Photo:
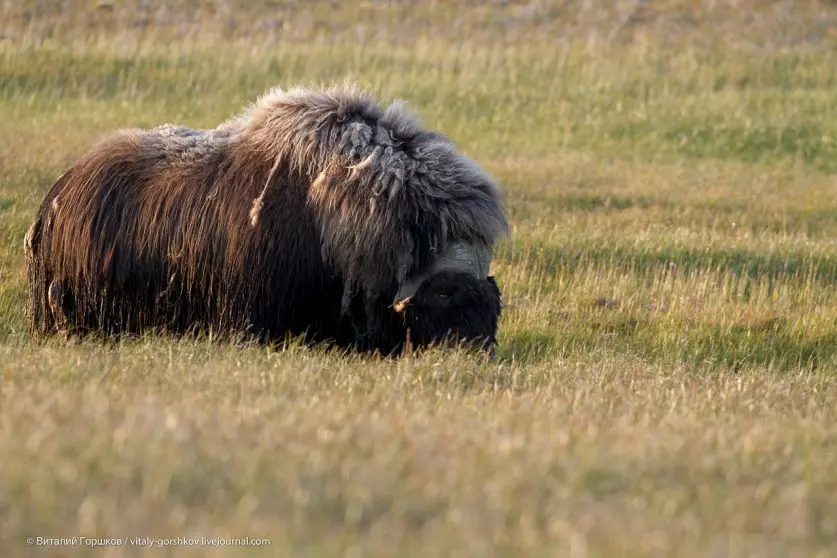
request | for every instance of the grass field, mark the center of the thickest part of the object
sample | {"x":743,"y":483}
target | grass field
{"x":667,"y":370}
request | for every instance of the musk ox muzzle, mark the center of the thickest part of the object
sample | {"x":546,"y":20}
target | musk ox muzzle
{"x":314,"y":212}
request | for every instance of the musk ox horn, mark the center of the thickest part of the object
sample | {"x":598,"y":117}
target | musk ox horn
{"x":459,"y":256}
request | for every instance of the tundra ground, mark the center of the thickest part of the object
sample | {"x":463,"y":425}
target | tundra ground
{"x":665,"y":382}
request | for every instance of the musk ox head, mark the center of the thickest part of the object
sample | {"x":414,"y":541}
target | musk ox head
{"x":453,"y":301}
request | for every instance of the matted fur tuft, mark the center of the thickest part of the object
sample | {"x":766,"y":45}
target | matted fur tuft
{"x":285,"y":217}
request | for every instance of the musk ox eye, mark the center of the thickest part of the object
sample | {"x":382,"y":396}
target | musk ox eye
{"x":446,"y":294}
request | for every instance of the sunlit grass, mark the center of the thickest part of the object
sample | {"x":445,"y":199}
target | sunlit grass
{"x":665,"y":371}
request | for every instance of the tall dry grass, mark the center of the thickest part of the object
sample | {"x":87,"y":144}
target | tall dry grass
{"x":666,"y":368}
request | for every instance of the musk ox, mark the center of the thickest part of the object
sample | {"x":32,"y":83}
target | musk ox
{"x":314,"y":213}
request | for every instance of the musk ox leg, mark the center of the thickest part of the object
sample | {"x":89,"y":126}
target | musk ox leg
{"x":57,"y":297}
{"x":31,"y":245}
{"x":374,"y":327}
{"x":37,"y":308}
{"x":31,"y":242}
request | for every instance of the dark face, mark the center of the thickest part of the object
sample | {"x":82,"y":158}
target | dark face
{"x":454,"y":308}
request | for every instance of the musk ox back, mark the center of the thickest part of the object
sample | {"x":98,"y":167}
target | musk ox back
{"x":313,"y":212}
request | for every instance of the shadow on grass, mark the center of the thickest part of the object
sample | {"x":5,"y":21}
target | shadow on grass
{"x":740,"y":345}
{"x":716,"y":138}
{"x":645,"y":261}
{"x":771,"y":343}
{"x":806,"y":142}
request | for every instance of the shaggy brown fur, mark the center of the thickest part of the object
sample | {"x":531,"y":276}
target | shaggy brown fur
{"x":304,"y":213}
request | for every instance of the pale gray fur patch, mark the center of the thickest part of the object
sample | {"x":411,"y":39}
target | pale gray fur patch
{"x":181,"y":145}
{"x":399,"y":118}
{"x":168,"y":129}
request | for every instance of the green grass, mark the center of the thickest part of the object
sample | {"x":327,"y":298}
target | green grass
{"x":668,"y":353}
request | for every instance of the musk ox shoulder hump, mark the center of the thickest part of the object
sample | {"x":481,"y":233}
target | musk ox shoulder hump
{"x":342,"y":138}
{"x":389,"y":195}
